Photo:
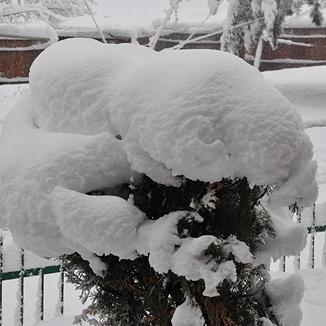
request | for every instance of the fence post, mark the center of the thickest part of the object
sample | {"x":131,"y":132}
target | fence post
{"x":1,"y":270}
{"x":297,"y":261}
{"x":324,"y":250}
{"x":62,"y":280}
{"x":282,"y":266}
{"x":312,"y":238}
{"x":60,"y":304}
{"x":19,"y":318}
{"x":40,"y":296}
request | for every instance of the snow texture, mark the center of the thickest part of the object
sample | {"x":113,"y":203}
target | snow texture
{"x":286,"y":296}
{"x":116,"y":18}
{"x":185,"y":256}
{"x":259,"y":136}
{"x":290,"y":238}
{"x":92,"y":121}
{"x":188,"y":314}
{"x":108,"y":224}
{"x":39,"y":29}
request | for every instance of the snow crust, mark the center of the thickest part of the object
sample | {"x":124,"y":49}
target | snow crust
{"x":39,"y":29}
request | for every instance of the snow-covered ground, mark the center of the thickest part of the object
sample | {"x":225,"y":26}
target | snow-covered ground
{"x":313,"y":304}
{"x":305,"y":87}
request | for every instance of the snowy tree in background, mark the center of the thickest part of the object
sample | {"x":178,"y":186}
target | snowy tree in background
{"x":316,"y":14}
{"x":163,"y":180}
{"x":260,"y":18}
{"x":52,"y":11}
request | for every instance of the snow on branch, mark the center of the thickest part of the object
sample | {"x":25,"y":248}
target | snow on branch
{"x":52,"y":11}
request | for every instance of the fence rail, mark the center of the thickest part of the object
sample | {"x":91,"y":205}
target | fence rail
{"x":40,"y":272}
{"x":23,"y":273}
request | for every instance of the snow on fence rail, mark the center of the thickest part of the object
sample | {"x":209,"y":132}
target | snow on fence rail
{"x":21,"y":274}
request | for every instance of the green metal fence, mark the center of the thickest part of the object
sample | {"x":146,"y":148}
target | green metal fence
{"x":40,"y":272}
{"x":21,"y":275}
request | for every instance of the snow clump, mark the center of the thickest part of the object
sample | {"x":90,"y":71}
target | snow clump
{"x":95,"y":120}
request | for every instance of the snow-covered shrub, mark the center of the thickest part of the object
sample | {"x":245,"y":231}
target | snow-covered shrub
{"x":162,"y":179}
{"x":250,"y":20}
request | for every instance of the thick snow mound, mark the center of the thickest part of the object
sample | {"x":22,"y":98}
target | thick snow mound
{"x":108,"y":224}
{"x":286,"y":296}
{"x":198,"y":113}
{"x":97,"y":114}
{"x":33,"y":162}
{"x":188,"y":314}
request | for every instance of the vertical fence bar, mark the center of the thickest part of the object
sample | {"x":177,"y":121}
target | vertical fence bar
{"x":19,"y":318}
{"x":297,"y":261}
{"x":62,"y":280}
{"x":282,"y":265}
{"x":21,"y":286}
{"x":60,"y":304}
{"x":312,"y":238}
{"x":1,"y":270}
{"x":40,"y":297}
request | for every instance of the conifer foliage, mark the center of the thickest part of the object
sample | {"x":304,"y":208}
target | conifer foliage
{"x":133,"y":293}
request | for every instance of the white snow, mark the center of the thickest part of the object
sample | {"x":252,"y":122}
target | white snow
{"x":39,"y":29}
{"x":108,"y":224}
{"x":290,"y":238}
{"x":305,"y":88}
{"x":38,"y":175}
{"x":167,"y":251}
{"x":188,"y":314}
{"x":93,"y":121}
{"x":62,"y":321}
{"x":303,"y":19}
{"x":11,"y":256}
{"x":313,"y":303}
{"x":264,"y":147}
{"x":286,"y":296}
{"x":116,"y":17}
{"x":314,"y":300}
